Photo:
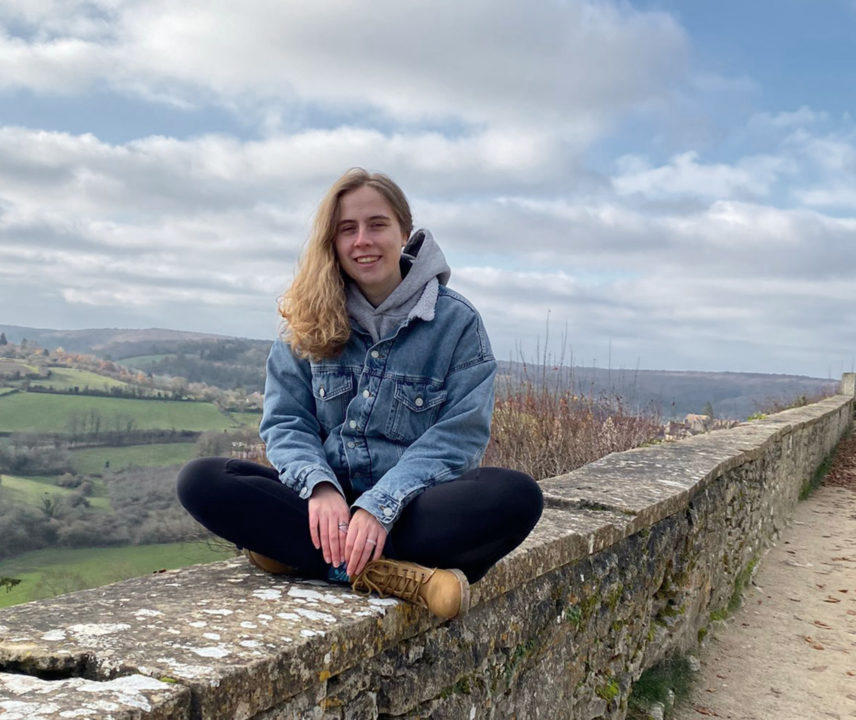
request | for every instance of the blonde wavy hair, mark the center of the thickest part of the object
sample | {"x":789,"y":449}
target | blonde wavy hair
{"x":313,"y":307}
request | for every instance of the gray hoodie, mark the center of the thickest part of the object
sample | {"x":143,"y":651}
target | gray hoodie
{"x":423,"y":268}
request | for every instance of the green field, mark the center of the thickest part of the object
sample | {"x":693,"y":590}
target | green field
{"x":68,"y":378}
{"x":52,"y":413}
{"x":92,"y":460}
{"x":6,"y":390}
{"x":247,"y":419}
{"x":53,"y":571}
{"x":30,"y":490}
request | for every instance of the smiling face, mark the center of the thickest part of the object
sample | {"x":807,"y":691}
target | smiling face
{"x":368,"y":242}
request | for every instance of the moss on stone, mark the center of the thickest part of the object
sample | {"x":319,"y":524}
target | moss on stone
{"x":812,"y":483}
{"x":669,"y":611}
{"x":518,"y":656}
{"x":589,"y":605}
{"x":460,"y":687}
{"x":740,"y":583}
{"x":574,"y":615}
{"x":654,"y":685}
{"x":615,"y":596}
{"x":608,"y":690}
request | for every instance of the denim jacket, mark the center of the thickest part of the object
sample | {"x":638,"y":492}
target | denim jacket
{"x":390,"y":418}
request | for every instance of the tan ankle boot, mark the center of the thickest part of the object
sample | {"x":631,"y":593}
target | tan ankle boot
{"x":268,"y":564}
{"x":446,"y":593}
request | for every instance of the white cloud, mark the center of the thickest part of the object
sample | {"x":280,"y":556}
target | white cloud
{"x":189,"y":171}
{"x":567,"y":66}
{"x":227,"y":217}
{"x":50,"y":17}
{"x":63,"y":66}
{"x":800,"y":118}
{"x":830,"y":167}
{"x":669,"y":320}
{"x":829,"y":196}
{"x":752,"y":176}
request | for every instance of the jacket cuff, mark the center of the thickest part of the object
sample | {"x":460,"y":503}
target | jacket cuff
{"x":385,"y":509}
{"x":309,"y":477}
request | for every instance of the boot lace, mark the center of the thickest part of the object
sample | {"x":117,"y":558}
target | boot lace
{"x":389,"y":579}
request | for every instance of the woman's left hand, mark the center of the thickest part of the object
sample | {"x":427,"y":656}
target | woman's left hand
{"x":365,"y":541}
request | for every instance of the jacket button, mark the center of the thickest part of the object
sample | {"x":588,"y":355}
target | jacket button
{"x":351,"y":444}
{"x":419,"y":402}
{"x":387,"y":512}
{"x":321,"y":392}
{"x":353,"y":424}
{"x":366,"y":394}
{"x":375,"y":354}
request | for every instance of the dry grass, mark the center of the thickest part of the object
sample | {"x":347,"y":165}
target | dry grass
{"x":774,"y":405}
{"x":545,"y":426}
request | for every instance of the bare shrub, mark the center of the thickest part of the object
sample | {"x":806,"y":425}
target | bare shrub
{"x":545,"y":426}
{"x":144,"y":502}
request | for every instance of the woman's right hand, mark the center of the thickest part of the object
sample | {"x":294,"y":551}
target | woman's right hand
{"x":327,"y":511}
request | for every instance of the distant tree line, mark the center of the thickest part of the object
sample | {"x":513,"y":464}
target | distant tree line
{"x":134,"y":392}
{"x":227,"y":364}
{"x":92,"y":423}
{"x":122,"y":438}
{"x":250,"y":378}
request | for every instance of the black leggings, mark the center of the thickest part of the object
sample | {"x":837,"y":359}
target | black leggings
{"x":468,"y":523}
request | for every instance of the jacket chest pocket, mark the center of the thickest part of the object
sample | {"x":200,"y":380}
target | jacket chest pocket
{"x":414,"y":409}
{"x":333,"y":392}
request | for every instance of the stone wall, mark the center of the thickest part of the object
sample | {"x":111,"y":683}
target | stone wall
{"x":634,"y":554}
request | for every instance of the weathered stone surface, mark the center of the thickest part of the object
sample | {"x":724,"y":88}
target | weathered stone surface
{"x":238,"y":637}
{"x":23,"y":697}
{"x":632,"y":556}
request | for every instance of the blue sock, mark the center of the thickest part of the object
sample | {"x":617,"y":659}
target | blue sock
{"x":338,"y":574}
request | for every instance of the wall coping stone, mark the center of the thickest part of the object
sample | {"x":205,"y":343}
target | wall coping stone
{"x":227,"y":640}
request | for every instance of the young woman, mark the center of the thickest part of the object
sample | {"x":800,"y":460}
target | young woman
{"x":377,"y":412}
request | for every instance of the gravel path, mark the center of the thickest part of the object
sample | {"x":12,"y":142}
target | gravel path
{"x":789,"y":653}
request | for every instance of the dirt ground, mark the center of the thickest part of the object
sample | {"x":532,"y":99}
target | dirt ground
{"x":789,"y":653}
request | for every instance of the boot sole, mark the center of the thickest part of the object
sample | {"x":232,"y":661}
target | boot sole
{"x":465,"y":591}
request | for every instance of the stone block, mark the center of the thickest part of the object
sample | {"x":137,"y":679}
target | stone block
{"x":23,"y":697}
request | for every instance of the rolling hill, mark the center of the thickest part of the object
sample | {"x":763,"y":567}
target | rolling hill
{"x":238,"y":363}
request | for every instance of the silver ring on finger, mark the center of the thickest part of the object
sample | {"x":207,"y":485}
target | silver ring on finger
{"x":369,"y":541}
{"x":343,"y":527}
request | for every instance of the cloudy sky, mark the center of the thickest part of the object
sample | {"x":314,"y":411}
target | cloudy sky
{"x":668,"y":184}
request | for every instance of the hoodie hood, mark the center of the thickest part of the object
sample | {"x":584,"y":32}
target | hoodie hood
{"x":424,"y":269}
